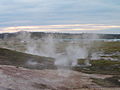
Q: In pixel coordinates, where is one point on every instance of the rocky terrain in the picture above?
(13, 78)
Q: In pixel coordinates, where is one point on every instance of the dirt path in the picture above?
(12, 78)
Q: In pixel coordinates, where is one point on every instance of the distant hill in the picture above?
(63, 35)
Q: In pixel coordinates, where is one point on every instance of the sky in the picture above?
(86, 16)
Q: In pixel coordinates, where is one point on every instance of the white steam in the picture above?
(48, 46)
(71, 55)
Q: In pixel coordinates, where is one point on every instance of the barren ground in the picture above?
(12, 78)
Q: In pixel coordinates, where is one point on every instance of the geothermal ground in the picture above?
(47, 64)
(24, 79)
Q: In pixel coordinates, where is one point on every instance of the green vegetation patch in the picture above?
(108, 82)
(9, 57)
(100, 67)
(110, 47)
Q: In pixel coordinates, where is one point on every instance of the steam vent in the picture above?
(59, 44)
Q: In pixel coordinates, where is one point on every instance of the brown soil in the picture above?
(14, 78)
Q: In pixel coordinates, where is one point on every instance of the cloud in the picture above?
(60, 28)
(16, 22)
(60, 11)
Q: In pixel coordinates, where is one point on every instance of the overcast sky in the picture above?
(61, 12)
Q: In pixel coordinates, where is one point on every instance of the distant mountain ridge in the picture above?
(63, 35)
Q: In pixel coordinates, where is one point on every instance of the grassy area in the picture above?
(100, 67)
(104, 66)
(108, 82)
(110, 47)
(9, 57)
